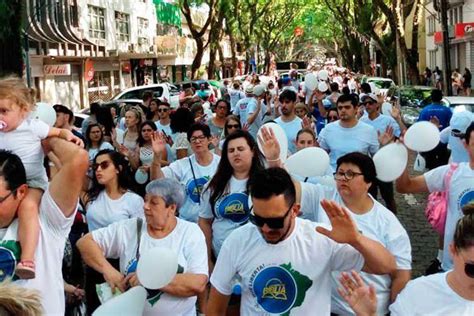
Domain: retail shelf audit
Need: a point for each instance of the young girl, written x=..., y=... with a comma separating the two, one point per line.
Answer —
x=23, y=136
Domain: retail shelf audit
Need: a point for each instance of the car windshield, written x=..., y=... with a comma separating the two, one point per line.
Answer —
x=415, y=97
x=381, y=84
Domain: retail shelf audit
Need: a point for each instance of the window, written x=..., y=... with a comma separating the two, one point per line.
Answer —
x=142, y=31
x=96, y=22
x=166, y=29
x=432, y=59
x=431, y=24
x=73, y=14
x=122, y=26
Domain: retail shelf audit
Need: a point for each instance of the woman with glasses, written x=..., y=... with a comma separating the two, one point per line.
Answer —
x=95, y=140
x=192, y=172
x=232, y=124
x=217, y=123
x=332, y=115
x=110, y=199
x=447, y=293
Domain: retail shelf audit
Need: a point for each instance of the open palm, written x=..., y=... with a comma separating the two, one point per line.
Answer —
x=360, y=296
x=158, y=143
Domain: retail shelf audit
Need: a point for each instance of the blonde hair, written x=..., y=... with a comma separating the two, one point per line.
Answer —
x=14, y=89
x=15, y=300
x=301, y=105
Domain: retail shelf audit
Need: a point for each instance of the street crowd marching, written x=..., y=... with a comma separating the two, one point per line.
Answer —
x=208, y=181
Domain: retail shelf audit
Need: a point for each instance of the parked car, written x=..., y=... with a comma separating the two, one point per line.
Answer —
x=412, y=100
x=383, y=84
x=459, y=104
x=163, y=91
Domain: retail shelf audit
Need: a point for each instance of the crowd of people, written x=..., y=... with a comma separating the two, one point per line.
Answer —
x=207, y=180
x=461, y=84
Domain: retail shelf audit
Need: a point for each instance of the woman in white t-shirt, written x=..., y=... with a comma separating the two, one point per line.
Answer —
x=127, y=239
x=448, y=293
x=95, y=140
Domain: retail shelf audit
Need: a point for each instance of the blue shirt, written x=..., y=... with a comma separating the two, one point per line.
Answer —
x=442, y=112
x=381, y=122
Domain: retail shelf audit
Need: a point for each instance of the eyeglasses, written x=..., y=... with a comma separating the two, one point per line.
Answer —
x=332, y=118
x=163, y=110
x=2, y=199
x=368, y=102
x=468, y=268
x=194, y=139
x=272, y=222
x=103, y=165
x=233, y=126
x=348, y=175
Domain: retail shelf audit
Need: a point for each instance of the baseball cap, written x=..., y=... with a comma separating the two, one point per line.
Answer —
x=259, y=90
x=249, y=89
x=459, y=123
x=59, y=108
x=365, y=96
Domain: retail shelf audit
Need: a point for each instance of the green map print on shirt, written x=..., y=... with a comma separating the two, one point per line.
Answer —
x=279, y=289
x=10, y=253
x=155, y=295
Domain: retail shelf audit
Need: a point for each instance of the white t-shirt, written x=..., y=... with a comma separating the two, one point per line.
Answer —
x=431, y=295
x=54, y=229
x=311, y=196
x=461, y=192
x=181, y=171
x=104, y=211
x=241, y=108
x=291, y=129
x=257, y=123
x=291, y=277
x=93, y=151
x=25, y=141
x=381, y=122
x=235, y=96
x=164, y=128
x=231, y=211
x=458, y=151
x=340, y=140
x=119, y=241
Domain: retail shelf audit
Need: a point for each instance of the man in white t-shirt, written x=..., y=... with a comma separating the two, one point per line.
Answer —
x=288, y=120
x=348, y=134
x=163, y=124
x=284, y=263
x=248, y=110
x=235, y=95
x=56, y=215
x=461, y=190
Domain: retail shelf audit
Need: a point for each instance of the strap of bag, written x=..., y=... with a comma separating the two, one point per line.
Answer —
x=139, y=236
x=195, y=182
x=449, y=174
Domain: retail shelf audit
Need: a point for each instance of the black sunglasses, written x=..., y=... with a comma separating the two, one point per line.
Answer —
x=103, y=165
x=163, y=110
x=272, y=223
x=233, y=126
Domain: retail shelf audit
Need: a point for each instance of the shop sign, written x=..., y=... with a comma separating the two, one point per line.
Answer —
x=89, y=70
x=438, y=37
x=464, y=29
x=57, y=70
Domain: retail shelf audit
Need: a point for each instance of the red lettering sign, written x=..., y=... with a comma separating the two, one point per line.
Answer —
x=464, y=29
x=57, y=70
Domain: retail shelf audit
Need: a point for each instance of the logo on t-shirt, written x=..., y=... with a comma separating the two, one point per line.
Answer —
x=10, y=252
x=234, y=207
x=279, y=289
x=195, y=188
x=466, y=197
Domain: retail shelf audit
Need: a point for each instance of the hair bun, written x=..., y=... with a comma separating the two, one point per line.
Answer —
x=468, y=209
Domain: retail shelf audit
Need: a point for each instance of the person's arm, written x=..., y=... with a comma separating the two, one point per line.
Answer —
x=186, y=285
x=378, y=260
x=256, y=110
x=407, y=184
x=396, y=114
x=217, y=304
x=206, y=226
x=74, y=164
x=400, y=278
x=158, y=143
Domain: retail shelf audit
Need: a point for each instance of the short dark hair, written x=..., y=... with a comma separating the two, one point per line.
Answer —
x=364, y=162
x=12, y=170
x=334, y=87
x=288, y=95
x=147, y=95
x=141, y=140
x=271, y=182
x=199, y=127
x=59, y=108
x=365, y=88
x=345, y=98
x=469, y=130
x=436, y=95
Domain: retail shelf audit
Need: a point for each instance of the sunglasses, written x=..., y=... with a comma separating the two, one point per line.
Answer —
x=233, y=126
x=457, y=133
x=468, y=268
x=163, y=110
x=103, y=165
x=332, y=117
x=368, y=102
x=272, y=223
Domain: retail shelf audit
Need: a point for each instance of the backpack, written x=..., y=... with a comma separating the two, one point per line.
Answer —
x=437, y=207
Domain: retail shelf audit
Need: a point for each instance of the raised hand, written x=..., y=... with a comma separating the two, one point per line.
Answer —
x=269, y=143
x=344, y=229
x=396, y=113
x=360, y=297
x=158, y=143
x=306, y=123
x=386, y=137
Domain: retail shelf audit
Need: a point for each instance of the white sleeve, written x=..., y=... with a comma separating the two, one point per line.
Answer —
x=435, y=178
x=251, y=107
x=236, y=109
x=53, y=217
x=181, y=141
x=322, y=139
x=39, y=128
x=311, y=195
x=205, y=210
x=106, y=145
x=225, y=269
x=396, y=128
x=400, y=247
x=374, y=144
x=136, y=206
x=345, y=258
x=110, y=238
x=444, y=135
x=403, y=303
x=196, y=255
x=174, y=170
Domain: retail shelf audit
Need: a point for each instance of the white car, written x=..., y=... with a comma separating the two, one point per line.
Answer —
x=383, y=84
x=459, y=104
x=163, y=91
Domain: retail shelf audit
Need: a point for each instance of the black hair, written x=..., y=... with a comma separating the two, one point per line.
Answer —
x=147, y=95
x=88, y=131
x=181, y=120
x=220, y=180
x=104, y=117
x=345, y=98
x=464, y=233
x=307, y=131
x=346, y=90
x=140, y=139
x=334, y=86
x=365, y=88
x=331, y=110
x=436, y=95
x=469, y=130
x=288, y=95
x=199, y=127
x=231, y=118
x=94, y=107
x=272, y=182
x=364, y=162
x=12, y=170
x=227, y=104
x=125, y=180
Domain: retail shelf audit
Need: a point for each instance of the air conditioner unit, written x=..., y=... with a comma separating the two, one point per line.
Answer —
x=113, y=52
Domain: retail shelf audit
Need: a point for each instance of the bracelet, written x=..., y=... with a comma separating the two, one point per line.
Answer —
x=273, y=160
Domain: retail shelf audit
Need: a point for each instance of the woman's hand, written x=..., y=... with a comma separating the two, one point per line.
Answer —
x=269, y=143
x=215, y=141
x=158, y=143
x=360, y=297
x=114, y=278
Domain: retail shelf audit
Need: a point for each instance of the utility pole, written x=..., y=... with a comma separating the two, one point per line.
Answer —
x=443, y=9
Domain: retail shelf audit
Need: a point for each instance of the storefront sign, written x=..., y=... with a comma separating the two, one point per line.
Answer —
x=57, y=70
x=89, y=70
x=126, y=67
x=438, y=37
x=464, y=29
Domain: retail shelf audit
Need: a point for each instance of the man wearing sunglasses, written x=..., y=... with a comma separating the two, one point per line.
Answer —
x=56, y=215
x=163, y=124
x=284, y=262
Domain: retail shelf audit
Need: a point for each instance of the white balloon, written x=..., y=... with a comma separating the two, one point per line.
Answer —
x=323, y=75
x=310, y=81
x=308, y=162
x=157, y=267
x=390, y=162
x=265, y=80
x=120, y=135
x=45, y=113
x=422, y=136
x=141, y=177
x=131, y=302
x=280, y=136
x=322, y=86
